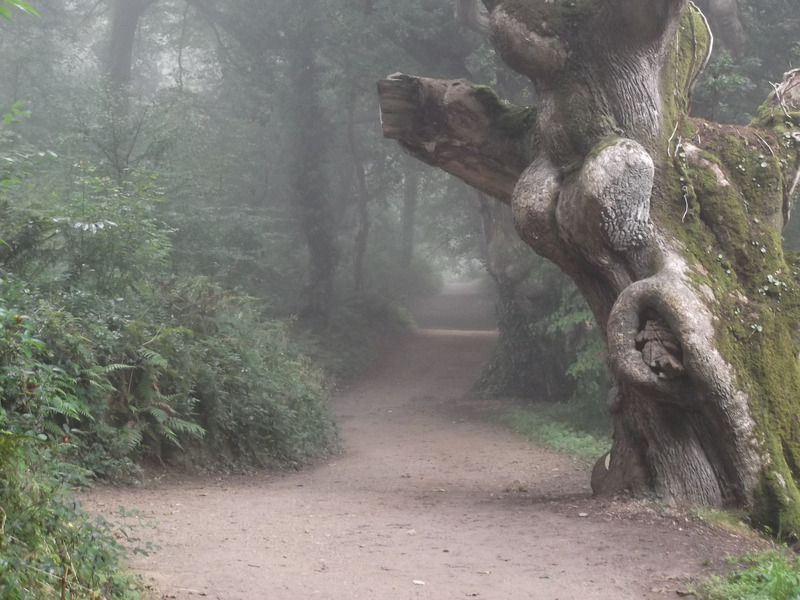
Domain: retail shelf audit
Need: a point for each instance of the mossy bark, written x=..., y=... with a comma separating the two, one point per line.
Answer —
x=670, y=228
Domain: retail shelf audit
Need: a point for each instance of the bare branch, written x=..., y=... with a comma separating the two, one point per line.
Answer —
x=459, y=127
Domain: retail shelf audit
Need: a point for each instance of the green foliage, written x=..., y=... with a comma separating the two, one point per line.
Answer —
x=557, y=429
x=573, y=320
x=732, y=87
x=92, y=233
x=772, y=575
x=139, y=364
x=257, y=396
x=5, y=13
x=724, y=82
x=358, y=331
x=48, y=546
x=256, y=251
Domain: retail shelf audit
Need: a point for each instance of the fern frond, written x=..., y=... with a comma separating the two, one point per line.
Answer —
x=52, y=429
x=158, y=414
x=152, y=358
x=166, y=432
x=106, y=369
x=129, y=439
x=188, y=428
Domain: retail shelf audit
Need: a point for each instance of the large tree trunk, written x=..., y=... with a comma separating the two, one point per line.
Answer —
x=409, y=216
x=125, y=18
x=726, y=23
x=310, y=145
x=525, y=362
x=670, y=228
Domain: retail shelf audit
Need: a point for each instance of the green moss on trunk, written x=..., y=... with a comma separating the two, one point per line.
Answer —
x=728, y=234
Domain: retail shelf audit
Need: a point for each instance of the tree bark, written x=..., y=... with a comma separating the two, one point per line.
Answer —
x=362, y=203
x=409, y=216
x=726, y=23
x=670, y=228
x=311, y=141
x=126, y=15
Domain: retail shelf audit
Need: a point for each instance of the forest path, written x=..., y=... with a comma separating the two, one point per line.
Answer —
x=428, y=499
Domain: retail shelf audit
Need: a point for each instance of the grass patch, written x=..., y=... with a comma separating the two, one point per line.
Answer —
x=771, y=575
x=553, y=426
x=729, y=521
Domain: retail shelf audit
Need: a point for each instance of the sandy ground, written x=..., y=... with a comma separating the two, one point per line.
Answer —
x=428, y=499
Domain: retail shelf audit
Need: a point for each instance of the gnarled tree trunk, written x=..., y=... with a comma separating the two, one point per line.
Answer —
x=670, y=227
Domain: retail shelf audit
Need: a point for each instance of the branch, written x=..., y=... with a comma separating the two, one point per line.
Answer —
x=461, y=128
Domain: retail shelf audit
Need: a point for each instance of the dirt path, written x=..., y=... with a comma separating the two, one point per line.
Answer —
x=428, y=500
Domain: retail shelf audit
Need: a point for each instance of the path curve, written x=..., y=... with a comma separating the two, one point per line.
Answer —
x=428, y=500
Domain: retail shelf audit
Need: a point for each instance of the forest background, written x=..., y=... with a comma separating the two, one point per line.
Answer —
x=202, y=231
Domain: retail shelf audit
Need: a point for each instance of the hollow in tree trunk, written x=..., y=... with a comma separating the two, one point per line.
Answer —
x=670, y=227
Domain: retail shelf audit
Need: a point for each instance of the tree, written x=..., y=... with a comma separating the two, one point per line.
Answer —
x=726, y=22
x=669, y=226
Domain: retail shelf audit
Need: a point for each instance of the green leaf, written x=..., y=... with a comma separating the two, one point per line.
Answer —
x=6, y=14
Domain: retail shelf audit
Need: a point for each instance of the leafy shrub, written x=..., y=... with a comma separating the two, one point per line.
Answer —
x=49, y=547
x=258, y=396
x=573, y=320
x=146, y=364
x=199, y=369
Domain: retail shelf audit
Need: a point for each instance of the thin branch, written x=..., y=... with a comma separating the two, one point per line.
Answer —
x=779, y=96
x=763, y=141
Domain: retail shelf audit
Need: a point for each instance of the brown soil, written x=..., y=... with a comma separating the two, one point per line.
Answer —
x=428, y=499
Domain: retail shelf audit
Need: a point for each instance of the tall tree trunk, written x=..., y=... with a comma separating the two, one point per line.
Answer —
x=123, y=135
x=125, y=17
x=310, y=144
x=726, y=23
x=670, y=228
x=409, y=216
x=524, y=363
x=362, y=202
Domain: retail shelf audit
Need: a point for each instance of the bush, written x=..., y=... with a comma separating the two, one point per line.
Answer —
x=145, y=365
x=49, y=548
x=194, y=367
x=258, y=397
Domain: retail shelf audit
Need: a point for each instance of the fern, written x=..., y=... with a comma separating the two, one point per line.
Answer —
x=152, y=358
x=128, y=439
x=187, y=428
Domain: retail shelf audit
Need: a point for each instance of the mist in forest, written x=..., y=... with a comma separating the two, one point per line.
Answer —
x=169, y=166
x=203, y=228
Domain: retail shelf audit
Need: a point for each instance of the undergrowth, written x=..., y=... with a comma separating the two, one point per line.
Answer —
x=49, y=548
x=558, y=426
x=772, y=575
